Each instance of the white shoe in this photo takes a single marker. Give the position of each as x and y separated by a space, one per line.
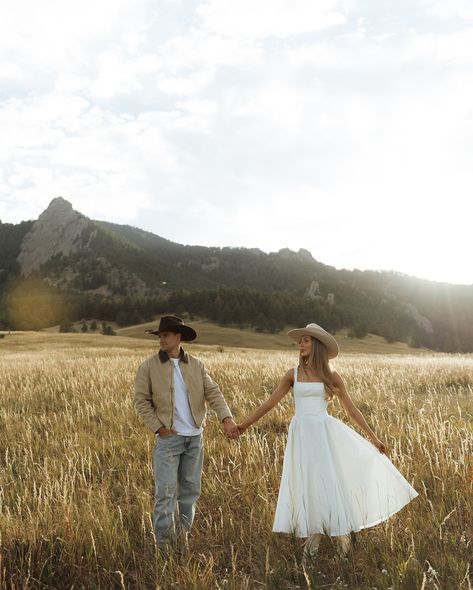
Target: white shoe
343 545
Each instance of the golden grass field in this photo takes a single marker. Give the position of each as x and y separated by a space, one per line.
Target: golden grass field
76 486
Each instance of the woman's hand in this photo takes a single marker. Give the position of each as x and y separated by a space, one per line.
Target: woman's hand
241 428
378 444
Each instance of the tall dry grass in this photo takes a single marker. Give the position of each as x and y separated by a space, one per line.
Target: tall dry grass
76 486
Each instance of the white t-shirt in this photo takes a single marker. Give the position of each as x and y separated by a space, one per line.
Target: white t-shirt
183 422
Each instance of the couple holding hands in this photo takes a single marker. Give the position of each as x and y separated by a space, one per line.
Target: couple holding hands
334 481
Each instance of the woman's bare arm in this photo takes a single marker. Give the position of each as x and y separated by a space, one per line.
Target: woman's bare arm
281 390
354 413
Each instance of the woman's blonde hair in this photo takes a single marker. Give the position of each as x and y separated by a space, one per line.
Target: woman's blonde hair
318 360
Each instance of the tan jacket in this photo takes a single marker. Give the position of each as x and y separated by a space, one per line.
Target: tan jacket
154 391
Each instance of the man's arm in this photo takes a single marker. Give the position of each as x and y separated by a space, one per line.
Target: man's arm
214 396
143 399
217 402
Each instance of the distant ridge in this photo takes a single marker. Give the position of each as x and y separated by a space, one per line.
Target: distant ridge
67 264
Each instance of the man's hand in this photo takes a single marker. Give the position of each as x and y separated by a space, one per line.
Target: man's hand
230 428
166 431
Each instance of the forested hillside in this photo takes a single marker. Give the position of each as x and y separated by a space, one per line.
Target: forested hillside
65 265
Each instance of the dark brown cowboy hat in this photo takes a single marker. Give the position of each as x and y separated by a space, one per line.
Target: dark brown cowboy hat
171 323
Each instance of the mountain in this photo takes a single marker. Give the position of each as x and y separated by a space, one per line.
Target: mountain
72 251
65 264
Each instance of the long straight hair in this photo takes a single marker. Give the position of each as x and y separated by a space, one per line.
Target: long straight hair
318 360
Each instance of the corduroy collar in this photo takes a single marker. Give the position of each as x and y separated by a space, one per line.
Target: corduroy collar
163 356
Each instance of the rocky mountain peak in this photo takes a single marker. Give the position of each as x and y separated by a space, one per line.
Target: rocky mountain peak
301 254
58 206
305 254
56 231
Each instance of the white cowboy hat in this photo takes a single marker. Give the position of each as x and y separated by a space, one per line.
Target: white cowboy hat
319 333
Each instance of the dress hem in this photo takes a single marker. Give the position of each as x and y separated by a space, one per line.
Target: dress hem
357 530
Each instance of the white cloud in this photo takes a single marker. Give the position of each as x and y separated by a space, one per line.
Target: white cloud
264 18
275 123
363 54
187 84
447 9
200 47
60 31
104 163
10 71
452 49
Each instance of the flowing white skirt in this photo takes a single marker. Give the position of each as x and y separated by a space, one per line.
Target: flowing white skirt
335 481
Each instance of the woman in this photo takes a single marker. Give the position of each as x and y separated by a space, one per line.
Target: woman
334 481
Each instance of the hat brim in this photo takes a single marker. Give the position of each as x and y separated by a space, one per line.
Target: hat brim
188 334
327 339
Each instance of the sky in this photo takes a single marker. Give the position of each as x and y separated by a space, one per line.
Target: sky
344 127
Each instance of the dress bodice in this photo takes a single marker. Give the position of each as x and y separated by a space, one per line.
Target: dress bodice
309 397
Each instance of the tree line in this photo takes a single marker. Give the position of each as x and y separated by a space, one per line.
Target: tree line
33 305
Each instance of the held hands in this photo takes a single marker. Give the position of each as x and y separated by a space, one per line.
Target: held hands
230 428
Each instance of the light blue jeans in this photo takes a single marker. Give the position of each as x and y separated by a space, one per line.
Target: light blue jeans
177 467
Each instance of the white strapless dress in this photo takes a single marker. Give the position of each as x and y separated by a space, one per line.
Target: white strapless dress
334 481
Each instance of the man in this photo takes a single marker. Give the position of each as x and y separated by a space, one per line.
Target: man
171 389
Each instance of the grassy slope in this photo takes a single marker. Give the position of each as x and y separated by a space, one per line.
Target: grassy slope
211 338
210 334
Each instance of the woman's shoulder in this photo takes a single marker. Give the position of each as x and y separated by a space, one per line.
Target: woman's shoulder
289 375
